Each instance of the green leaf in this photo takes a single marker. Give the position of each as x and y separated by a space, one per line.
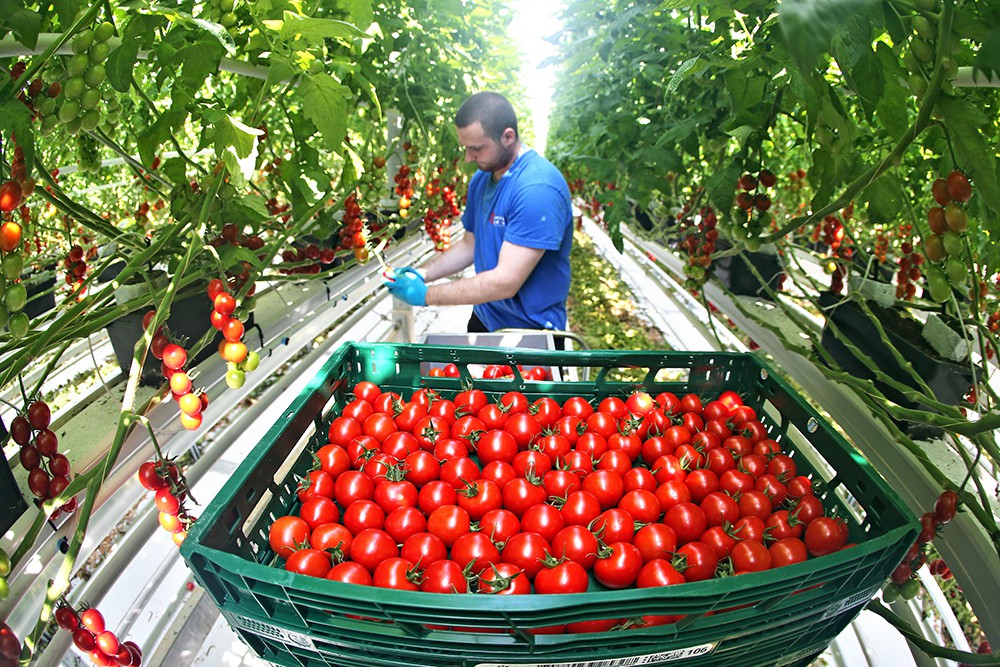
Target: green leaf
232 256
237 145
742 133
201 60
987 58
689 66
211 27
808 26
293 26
16 119
721 187
360 11
149 140
325 103
893 25
174 169
250 208
121 64
884 198
23 23
746 92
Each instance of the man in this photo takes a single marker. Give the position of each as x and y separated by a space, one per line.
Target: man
518 231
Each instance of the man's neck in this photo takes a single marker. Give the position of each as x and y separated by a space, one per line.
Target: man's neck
518 149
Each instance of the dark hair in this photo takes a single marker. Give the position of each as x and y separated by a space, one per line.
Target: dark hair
493 112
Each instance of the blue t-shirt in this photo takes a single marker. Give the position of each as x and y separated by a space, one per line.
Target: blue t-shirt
529 206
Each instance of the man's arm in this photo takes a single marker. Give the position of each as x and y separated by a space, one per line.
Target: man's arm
452 260
514 266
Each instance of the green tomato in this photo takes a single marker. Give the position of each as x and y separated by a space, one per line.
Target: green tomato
235 379
923 51
4 589
227 6
90 99
49 123
11 265
16 297
938 285
104 32
99 53
4 314
18 324
917 84
46 107
90 120
78 64
923 27
74 88
5 565
69 110
95 75
228 20
753 244
890 593
953 244
909 590
251 362
73 126
83 41
958 272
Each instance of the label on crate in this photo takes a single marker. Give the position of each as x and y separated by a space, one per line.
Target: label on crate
854 601
648 659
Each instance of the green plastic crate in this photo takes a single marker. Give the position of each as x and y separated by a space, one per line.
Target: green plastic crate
779 617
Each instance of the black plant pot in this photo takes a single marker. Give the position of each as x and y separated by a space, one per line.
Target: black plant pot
41 294
189 320
12 504
949 381
737 277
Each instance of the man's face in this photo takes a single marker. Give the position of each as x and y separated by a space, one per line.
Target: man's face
488 153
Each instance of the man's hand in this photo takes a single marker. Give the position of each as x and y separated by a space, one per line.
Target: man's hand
408 285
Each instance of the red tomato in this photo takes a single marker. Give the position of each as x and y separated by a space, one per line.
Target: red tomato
396 573
719 539
480 497
366 391
824 535
672 493
476 549
787 551
316 483
655 540
450 448
514 402
576 543
781 525
400 444
720 509
799 486
493 416
363 514
629 444
372 546
775 490
422 549
318 510
458 472
353 485
614 525
735 482
350 572
500 473
601 423
577 463
701 482
577 406
434 494
642 505
444 576
755 503
750 556
688 521
560 483
606 486
449 522
618 565
565 577
409 415
749 528
697 561
421 468
471 401
524 428
504 579
403 522
388 403
379 425
310 562
527 552
333 460
570 427
286 534
391 495
543 519
496 445
615 461
640 403
807 508
499 525
331 537
639 479
531 463
658 572
520 494
545 410
580 508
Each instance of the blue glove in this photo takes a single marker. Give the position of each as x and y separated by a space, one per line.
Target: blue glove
408 285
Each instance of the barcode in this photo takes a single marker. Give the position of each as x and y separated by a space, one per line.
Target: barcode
649 659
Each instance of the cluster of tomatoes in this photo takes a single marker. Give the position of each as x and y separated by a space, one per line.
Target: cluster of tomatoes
903 582
232 349
751 193
319 257
442 208
699 244
908 271
76 267
276 208
91 636
517 496
404 189
48 470
173 357
945 244
353 235
166 481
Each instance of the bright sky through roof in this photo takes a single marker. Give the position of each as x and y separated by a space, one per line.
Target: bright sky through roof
534 20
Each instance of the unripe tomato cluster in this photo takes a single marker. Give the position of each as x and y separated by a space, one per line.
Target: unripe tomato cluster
48 470
515 496
903 581
164 479
13 293
173 358
91 636
5 569
231 348
944 245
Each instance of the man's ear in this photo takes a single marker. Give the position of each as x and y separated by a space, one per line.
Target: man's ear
507 138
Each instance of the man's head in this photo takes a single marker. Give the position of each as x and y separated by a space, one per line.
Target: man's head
487 128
